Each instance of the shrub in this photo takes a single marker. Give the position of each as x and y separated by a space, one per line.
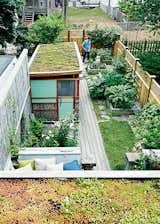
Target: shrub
93 53
104 37
147 126
56 135
149 133
46 29
150 63
105 54
96 85
120 65
113 79
63 129
121 96
36 127
149 111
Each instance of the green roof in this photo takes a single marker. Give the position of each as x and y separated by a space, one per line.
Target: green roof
55 57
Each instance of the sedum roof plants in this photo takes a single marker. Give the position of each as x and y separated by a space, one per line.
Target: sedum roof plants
55 57
79 201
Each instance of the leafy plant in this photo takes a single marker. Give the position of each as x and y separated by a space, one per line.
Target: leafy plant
113 79
149 133
104 37
62 133
147 125
14 145
36 127
8 11
144 11
105 54
93 53
150 63
21 35
49 139
152 162
46 29
63 129
121 96
120 65
96 85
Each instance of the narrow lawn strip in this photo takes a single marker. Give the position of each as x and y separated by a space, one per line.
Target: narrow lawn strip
96 109
118 139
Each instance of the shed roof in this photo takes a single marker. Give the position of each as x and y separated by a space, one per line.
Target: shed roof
51 58
5 60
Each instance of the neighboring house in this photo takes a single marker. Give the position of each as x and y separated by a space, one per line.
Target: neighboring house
34 8
55 79
14 101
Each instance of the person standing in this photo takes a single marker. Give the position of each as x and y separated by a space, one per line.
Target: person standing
86 47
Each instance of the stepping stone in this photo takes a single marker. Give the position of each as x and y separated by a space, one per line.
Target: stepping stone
103 113
106 117
100 102
121 118
109 67
102 108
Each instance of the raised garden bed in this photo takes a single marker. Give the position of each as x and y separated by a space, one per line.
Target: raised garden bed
96 67
118 111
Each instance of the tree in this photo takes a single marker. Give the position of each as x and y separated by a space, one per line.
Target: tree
46 29
144 11
8 18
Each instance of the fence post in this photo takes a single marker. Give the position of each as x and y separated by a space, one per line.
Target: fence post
125 52
69 35
152 77
84 33
145 45
135 65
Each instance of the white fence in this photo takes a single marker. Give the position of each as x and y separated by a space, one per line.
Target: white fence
14 101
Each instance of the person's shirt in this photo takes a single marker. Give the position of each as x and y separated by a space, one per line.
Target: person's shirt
87 45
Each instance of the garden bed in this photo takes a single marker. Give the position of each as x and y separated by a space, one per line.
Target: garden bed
96 67
118 111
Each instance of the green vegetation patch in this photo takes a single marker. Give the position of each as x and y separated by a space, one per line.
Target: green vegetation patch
79 201
88 17
118 139
55 57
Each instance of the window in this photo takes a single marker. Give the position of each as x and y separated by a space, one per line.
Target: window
66 88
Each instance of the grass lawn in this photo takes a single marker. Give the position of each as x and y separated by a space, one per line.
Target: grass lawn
87 201
92 17
118 139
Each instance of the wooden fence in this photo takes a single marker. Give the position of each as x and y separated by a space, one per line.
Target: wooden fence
137 47
148 88
75 35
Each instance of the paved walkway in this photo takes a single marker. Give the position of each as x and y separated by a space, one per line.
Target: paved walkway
90 137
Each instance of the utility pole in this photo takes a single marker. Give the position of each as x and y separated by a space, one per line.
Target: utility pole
64 6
